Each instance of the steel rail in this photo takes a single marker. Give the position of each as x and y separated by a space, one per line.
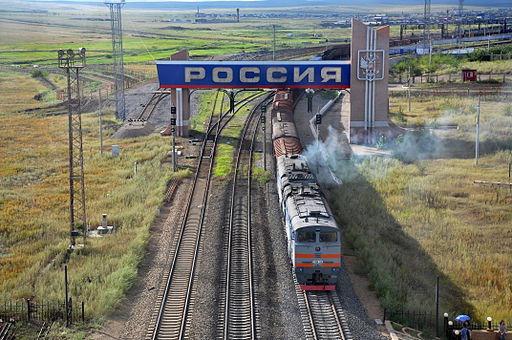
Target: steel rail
218 125
246 249
325 316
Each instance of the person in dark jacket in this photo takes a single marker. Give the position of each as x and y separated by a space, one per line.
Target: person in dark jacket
465 333
502 330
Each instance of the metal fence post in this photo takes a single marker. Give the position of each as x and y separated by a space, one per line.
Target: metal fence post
70 310
29 312
66 293
83 312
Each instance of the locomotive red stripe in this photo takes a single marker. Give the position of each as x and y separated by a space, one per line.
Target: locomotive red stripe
304 256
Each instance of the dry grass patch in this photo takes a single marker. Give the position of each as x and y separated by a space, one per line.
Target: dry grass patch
34 215
409 223
17 92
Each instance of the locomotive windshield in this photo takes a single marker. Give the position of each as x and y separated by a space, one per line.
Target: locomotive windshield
306 236
328 236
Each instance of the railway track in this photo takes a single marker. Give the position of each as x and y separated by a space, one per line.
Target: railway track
175 299
238 319
322 315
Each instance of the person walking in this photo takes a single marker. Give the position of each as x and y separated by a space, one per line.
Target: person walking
502 331
465 333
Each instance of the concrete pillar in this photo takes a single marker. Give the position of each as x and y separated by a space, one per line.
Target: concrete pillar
179 98
369 80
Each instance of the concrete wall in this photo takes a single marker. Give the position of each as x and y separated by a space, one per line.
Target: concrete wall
358 87
183 120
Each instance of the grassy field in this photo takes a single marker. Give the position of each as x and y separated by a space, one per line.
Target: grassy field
434 111
409 223
419 215
14 100
34 200
147 36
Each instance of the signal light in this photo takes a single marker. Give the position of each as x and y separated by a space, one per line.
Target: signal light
318 119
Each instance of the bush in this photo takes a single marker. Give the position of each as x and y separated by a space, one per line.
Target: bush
37 73
508 111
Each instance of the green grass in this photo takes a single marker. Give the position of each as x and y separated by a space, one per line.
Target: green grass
408 223
224 160
229 137
33 179
413 220
261 175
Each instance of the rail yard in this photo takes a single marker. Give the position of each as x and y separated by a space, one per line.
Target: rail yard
235 171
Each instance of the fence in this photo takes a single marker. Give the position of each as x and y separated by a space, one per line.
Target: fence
426 321
420 320
42 311
487 77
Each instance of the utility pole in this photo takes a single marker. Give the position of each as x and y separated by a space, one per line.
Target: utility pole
72 62
477 141
173 131
100 117
409 90
273 42
437 307
117 54
429 58
263 128
459 23
318 121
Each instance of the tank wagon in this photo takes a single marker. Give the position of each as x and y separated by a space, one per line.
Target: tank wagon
314 239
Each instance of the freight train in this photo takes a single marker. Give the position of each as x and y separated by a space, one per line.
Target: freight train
314 239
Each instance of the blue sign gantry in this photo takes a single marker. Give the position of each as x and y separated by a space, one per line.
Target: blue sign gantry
254 74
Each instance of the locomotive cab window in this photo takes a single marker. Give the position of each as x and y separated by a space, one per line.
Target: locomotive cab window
306 236
328 236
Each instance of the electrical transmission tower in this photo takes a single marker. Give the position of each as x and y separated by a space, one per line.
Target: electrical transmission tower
459 22
73 62
117 54
426 22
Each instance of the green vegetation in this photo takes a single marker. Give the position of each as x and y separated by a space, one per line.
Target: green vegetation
18 92
438 111
229 138
445 64
207 100
37 73
440 64
261 175
485 54
409 223
33 179
224 160
419 215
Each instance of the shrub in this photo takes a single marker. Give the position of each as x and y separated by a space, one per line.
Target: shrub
38 73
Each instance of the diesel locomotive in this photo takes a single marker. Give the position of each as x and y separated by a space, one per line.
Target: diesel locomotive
314 239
